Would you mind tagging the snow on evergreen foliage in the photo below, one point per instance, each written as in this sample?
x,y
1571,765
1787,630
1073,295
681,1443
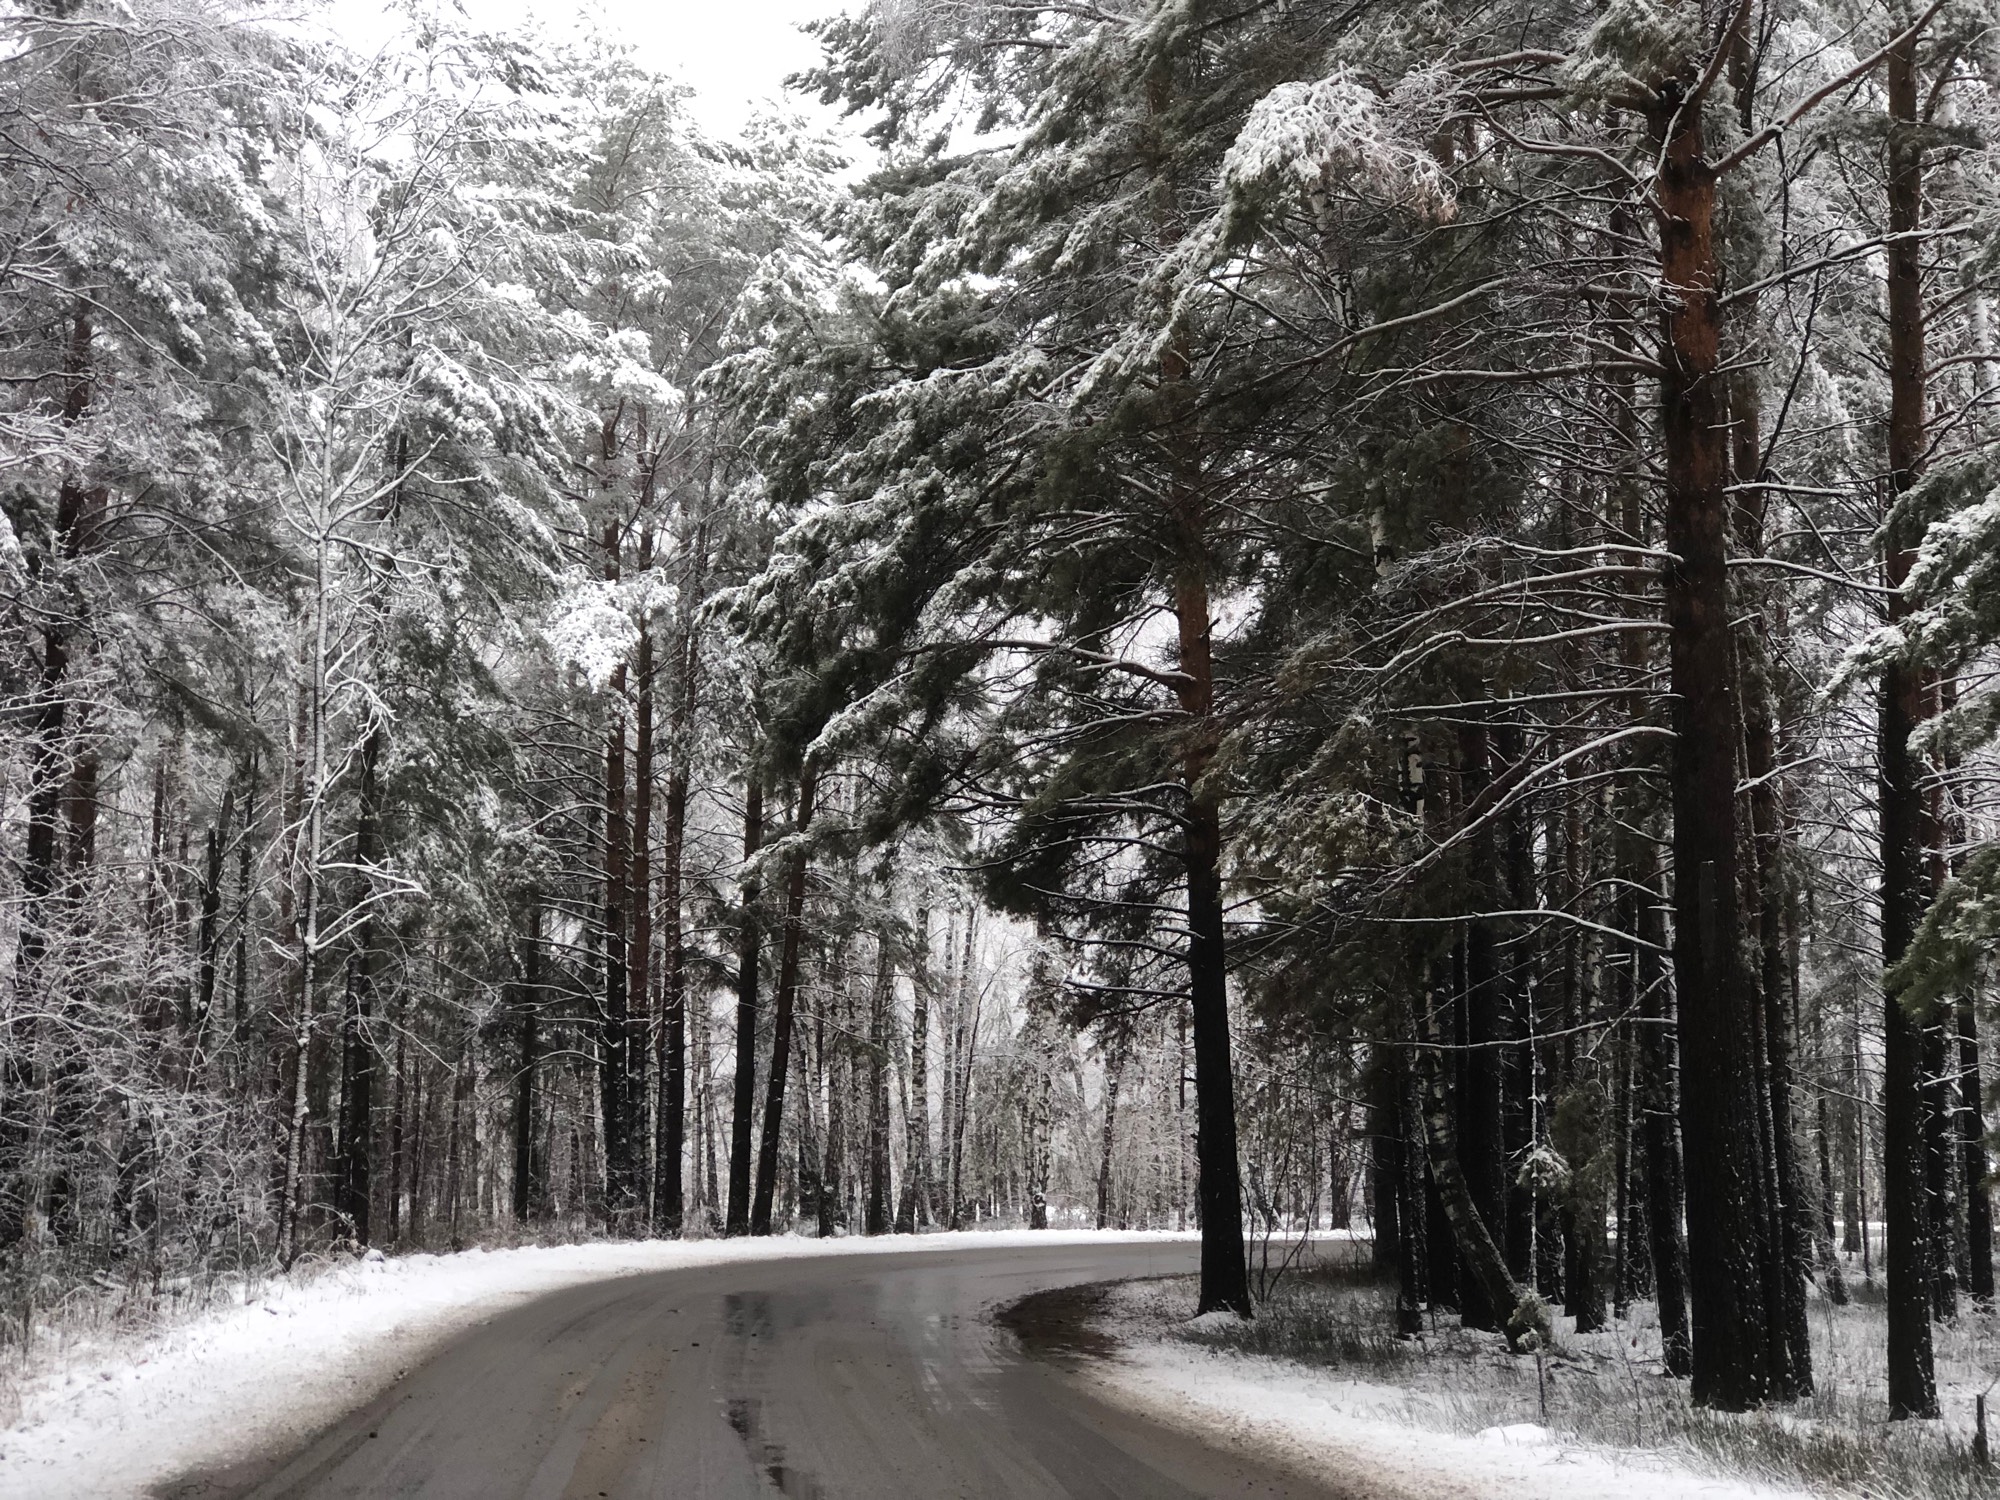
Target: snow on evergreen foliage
x,y
1634,44
1337,134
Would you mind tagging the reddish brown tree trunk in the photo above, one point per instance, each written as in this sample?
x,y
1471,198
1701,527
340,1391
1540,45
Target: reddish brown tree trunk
x,y
1729,1240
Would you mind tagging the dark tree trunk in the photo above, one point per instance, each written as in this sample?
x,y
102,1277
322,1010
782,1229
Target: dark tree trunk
x,y
1790,1227
781,1021
1225,1275
1517,1120
1729,1243
880,994
529,1191
1911,1238
614,1030
639,901
833,1176
749,955
1113,1067
669,1205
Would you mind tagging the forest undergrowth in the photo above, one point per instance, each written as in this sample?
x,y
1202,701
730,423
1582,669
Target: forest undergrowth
x,y
1608,1390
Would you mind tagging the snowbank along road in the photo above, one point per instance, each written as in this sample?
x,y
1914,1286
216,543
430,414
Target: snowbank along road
x,y
842,1375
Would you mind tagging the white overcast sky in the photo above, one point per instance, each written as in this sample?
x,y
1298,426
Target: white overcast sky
x,y
734,53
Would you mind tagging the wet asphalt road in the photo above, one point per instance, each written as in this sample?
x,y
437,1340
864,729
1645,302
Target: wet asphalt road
x,y
874,1376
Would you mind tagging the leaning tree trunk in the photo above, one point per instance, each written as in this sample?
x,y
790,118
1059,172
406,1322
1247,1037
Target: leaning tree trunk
x,y
1519,1311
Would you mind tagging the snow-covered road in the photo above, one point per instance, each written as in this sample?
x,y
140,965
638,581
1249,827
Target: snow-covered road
x,y
120,1418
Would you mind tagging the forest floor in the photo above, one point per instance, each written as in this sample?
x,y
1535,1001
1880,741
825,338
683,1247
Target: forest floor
x,y
1321,1371
111,1400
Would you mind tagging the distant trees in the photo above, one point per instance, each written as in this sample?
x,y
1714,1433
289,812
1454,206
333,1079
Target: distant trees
x,y
378,725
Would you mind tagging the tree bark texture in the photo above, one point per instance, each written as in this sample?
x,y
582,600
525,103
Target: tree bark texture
x,y
1729,1240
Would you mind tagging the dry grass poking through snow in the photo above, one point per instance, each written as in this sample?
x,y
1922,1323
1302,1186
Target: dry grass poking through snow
x,y
1608,1390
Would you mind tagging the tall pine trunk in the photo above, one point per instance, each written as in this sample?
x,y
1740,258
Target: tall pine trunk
x,y
1729,1240
1225,1276
1906,1206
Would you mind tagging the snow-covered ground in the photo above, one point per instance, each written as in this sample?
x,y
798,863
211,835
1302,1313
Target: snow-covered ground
x,y
1318,1422
106,1418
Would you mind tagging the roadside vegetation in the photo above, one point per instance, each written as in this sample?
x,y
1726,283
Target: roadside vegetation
x,y
1335,1318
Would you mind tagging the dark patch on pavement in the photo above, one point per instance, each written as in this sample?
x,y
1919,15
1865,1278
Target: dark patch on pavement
x,y
1060,1325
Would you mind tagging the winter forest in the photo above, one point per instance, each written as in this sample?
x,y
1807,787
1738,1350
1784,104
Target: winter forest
x,y
1272,618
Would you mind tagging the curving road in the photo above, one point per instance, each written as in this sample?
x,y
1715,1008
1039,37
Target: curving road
x,y
872,1376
